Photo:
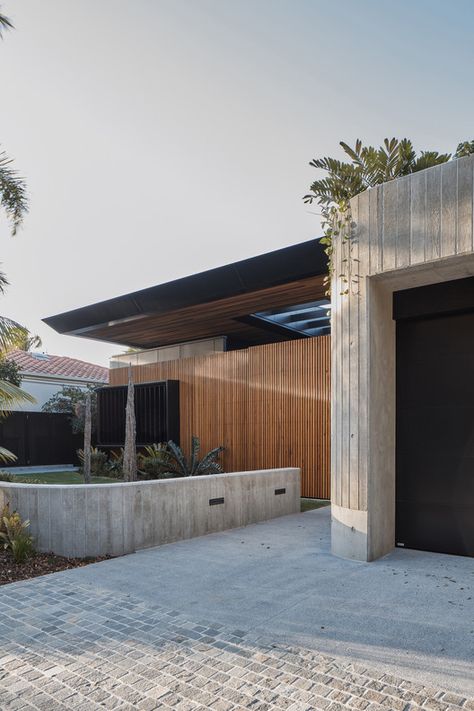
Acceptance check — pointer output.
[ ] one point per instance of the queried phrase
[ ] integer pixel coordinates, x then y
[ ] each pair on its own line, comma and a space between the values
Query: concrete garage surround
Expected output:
410, 232
114, 519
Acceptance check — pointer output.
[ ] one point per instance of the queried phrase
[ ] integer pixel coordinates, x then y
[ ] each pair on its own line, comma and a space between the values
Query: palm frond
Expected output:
209, 463
5, 24
371, 166
3, 282
13, 194
428, 159
11, 395
180, 465
23, 340
6, 456
11, 334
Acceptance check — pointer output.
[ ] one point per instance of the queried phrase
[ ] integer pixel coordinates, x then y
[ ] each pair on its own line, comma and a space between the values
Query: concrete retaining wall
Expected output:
113, 519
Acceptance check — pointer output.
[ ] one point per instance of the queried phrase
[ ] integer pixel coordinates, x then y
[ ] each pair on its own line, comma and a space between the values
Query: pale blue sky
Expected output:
163, 137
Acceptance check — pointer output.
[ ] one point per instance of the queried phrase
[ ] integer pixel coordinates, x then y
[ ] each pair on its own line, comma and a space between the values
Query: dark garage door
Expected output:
435, 418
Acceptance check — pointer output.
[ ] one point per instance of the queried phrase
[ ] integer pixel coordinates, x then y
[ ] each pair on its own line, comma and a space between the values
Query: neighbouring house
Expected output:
43, 375
41, 438
402, 365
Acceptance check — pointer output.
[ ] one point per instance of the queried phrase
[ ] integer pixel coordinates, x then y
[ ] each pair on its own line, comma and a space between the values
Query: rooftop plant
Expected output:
366, 167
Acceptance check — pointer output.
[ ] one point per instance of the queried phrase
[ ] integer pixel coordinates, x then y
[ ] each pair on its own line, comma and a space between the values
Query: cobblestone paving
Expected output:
67, 647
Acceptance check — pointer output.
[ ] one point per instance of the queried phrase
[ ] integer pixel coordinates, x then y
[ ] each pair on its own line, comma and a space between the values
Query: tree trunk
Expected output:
87, 440
130, 447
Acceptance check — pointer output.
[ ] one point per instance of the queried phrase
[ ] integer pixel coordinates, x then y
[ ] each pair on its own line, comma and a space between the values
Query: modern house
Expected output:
249, 346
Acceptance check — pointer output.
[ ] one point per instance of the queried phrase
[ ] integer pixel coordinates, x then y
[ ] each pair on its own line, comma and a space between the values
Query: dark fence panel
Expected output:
40, 438
156, 412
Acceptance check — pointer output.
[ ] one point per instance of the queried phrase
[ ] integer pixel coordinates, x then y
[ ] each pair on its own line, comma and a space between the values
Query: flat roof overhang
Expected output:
216, 302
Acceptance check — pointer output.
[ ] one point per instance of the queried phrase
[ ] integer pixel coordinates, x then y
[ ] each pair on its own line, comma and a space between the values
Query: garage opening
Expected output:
435, 417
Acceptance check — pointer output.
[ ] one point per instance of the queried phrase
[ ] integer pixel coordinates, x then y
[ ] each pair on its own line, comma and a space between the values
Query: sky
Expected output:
160, 138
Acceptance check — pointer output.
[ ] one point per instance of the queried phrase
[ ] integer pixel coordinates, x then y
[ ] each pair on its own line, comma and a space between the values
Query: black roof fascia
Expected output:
281, 266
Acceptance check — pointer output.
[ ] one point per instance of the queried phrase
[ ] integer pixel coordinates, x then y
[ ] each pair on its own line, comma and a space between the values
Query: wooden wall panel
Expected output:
268, 405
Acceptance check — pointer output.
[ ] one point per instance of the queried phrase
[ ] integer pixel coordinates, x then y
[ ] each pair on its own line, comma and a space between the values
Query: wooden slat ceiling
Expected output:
215, 318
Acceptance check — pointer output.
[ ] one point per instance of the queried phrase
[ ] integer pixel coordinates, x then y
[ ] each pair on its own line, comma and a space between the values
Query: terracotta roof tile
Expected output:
59, 365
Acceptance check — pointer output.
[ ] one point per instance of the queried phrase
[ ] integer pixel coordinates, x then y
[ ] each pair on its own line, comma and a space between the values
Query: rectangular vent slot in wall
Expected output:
280, 491
216, 502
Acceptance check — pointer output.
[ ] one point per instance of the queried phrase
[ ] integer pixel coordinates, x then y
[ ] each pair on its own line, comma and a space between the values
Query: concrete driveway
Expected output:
397, 633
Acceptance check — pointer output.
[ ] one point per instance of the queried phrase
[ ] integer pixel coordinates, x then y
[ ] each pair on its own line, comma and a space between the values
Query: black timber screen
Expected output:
156, 413
40, 438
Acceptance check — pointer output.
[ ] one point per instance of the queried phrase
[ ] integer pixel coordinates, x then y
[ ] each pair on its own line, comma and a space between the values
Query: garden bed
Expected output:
38, 564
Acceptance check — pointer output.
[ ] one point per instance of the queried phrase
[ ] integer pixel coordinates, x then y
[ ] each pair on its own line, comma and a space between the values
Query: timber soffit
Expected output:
283, 266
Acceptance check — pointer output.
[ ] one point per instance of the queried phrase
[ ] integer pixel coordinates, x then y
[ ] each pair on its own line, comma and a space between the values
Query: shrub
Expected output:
99, 462
71, 400
14, 535
5, 476
162, 461
9, 371
154, 462
114, 467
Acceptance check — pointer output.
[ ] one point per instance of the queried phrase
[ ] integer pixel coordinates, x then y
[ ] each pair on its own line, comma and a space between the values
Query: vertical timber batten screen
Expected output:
268, 405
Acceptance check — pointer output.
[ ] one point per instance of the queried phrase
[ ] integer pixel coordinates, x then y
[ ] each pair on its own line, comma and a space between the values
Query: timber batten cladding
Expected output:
266, 397
268, 405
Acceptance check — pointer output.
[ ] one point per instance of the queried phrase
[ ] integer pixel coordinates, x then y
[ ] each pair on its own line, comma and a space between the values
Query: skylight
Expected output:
308, 319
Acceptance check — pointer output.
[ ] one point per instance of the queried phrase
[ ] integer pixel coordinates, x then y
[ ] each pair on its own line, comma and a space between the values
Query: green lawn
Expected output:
68, 477
310, 504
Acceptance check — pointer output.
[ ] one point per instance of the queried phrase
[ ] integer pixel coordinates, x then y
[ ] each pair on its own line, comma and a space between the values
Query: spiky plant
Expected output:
168, 460
154, 461
182, 466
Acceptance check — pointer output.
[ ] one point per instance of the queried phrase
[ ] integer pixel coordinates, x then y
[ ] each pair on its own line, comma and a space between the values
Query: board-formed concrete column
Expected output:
412, 231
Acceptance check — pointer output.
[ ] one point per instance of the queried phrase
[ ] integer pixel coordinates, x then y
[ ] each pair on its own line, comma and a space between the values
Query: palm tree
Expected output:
11, 334
26, 341
13, 195
13, 199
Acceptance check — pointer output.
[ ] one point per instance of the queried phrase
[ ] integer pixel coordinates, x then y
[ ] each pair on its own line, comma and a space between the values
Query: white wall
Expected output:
44, 388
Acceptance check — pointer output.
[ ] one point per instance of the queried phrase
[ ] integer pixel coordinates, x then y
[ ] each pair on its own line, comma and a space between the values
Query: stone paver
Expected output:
65, 646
